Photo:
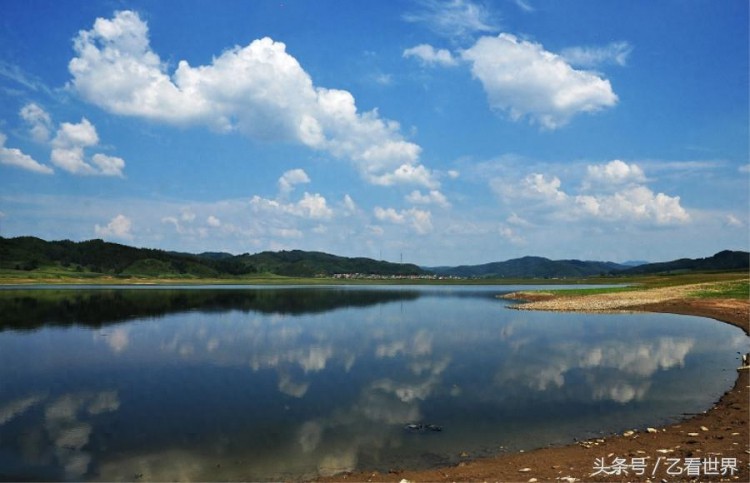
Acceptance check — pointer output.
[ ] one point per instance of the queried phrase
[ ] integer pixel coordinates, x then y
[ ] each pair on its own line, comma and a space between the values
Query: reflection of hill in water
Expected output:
29, 310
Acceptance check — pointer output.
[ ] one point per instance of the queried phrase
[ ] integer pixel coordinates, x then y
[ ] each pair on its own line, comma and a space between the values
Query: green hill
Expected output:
531, 267
97, 257
30, 256
539, 267
724, 260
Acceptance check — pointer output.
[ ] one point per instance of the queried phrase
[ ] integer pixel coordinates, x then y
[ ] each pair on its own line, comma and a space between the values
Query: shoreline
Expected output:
719, 434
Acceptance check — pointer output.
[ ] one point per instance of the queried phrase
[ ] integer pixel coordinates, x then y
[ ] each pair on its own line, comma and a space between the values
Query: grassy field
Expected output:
733, 284
739, 289
724, 284
61, 275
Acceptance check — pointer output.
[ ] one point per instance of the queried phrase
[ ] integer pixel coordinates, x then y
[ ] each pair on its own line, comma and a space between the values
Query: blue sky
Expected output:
452, 132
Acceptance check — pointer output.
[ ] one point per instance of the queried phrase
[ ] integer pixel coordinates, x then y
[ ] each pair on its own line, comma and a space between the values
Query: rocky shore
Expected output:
668, 299
711, 446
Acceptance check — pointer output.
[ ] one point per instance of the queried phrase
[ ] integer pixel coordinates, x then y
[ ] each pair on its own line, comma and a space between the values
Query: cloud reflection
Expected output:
12, 409
620, 391
393, 368
636, 360
69, 434
292, 388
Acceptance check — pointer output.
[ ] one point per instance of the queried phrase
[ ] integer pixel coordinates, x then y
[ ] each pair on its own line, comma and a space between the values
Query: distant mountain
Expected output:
298, 263
215, 255
531, 267
95, 257
724, 260
539, 267
100, 257
634, 263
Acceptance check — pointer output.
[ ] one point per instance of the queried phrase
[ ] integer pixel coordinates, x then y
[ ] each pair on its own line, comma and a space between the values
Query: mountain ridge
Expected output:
26, 254
100, 257
534, 266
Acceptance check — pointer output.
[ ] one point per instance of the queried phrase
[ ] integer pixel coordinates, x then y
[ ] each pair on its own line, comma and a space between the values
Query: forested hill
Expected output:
532, 267
95, 257
100, 257
539, 267
724, 260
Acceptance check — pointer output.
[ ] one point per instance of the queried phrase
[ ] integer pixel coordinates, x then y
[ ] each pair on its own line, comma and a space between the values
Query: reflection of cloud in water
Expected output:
420, 345
339, 462
118, 340
310, 435
168, 465
104, 402
640, 360
314, 359
643, 359
432, 367
407, 392
292, 388
621, 392
391, 349
368, 425
69, 434
310, 359
212, 344
380, 406
17, 407
410, 391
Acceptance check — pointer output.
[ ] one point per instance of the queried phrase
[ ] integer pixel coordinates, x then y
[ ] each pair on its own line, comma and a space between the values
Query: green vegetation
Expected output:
537, 267
28, 310
35, 259
32, 260
595, 291
726, 284
724, 260
739, 289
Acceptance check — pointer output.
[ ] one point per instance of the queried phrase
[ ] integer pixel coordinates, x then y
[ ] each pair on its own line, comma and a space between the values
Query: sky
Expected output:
433, 132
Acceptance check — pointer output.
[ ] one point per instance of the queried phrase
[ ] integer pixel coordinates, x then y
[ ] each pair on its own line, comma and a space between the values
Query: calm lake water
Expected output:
273, 383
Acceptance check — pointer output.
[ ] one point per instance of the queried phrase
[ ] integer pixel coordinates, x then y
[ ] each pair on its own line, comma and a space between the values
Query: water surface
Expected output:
271, 383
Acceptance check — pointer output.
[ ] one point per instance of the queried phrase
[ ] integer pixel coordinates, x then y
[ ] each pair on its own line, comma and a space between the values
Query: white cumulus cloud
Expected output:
624, 196
419, 220
259, 90
637, 203
39, 121
119, 227
311, 206
524, 80
613, 173
15, 157
429, 55
108, 165
291, 178
68, 151
433, 197
406, 174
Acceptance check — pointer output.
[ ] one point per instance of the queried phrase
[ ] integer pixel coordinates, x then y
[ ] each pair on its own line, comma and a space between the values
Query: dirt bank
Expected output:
712, 440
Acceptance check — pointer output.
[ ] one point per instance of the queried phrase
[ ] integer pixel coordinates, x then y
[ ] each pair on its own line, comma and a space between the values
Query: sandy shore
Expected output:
697, 448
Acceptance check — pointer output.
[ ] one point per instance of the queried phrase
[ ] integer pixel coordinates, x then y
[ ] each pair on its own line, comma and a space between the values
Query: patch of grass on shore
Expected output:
579, 292
727, 284
739, 289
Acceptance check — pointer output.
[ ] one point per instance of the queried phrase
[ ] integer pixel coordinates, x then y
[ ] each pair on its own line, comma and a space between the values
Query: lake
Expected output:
269, 383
